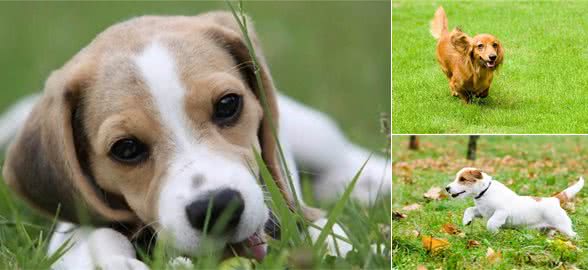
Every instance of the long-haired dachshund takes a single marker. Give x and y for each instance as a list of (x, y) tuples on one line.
[(468, 62)]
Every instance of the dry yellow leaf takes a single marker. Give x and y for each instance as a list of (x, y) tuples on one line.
[(434, 245), (564, 244), (435, 193), (473, 243), (493, 256), (412, 207), (397, 215), (449, 228)]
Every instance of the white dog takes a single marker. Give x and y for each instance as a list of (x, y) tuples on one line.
[(154, 120), (502, 207)]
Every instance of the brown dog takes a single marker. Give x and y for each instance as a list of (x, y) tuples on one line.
[(468, 62)]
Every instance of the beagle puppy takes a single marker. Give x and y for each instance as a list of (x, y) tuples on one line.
[(155, 120), (502, 207)]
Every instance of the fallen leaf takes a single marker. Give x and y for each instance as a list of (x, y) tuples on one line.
[(415, 233), (412, 207), (403, 170), (435, 193), (397, 215), (509, 182), (434, 245), (561, 244), (493, 256), (449, 228), (421, 267), (473, 243)]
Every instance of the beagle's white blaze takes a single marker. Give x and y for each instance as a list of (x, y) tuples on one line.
[(191, 159)]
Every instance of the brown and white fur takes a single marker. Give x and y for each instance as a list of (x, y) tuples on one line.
[(502, 207), (128, 135), (469, 63)]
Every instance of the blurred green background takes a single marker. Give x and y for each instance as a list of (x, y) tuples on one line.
[(334, 56)]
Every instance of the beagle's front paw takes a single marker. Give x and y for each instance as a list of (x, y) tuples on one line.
[(373, 183), (122, 263), (335, 247)]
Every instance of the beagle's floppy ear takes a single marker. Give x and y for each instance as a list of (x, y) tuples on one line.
[(226, 31), (47, 163), (461, 41)]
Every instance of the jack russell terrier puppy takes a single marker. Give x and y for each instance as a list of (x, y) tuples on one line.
[(502, 207), (154, 119)]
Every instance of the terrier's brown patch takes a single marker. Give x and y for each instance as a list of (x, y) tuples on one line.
[(470, 177), (562, 197)]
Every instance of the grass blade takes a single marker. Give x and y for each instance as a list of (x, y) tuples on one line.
[(337, 210)]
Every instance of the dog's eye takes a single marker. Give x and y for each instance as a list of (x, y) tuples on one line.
[(227, 109), (129, 151), (480, 46), (461, 179), (494, 45)]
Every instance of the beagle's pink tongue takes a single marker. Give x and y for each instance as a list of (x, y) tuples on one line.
[(257, 247)]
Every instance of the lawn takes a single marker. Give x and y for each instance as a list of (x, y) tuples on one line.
[(326, 60), (529, 165), (540, 88)]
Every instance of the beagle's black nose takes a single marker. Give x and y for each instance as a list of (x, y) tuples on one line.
[(226, 207), (492, 57), (447, 189)]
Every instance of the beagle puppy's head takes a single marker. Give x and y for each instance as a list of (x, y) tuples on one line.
[(468, 182), (155, 122)]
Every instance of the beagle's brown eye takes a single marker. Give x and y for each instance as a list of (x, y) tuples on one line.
[(227, 109), (461, 179), (495, 45), (480, 46), (129, 151)]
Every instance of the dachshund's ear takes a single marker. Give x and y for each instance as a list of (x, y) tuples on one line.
[(461, 41), (47, 163), (499, 53), (227, 33)]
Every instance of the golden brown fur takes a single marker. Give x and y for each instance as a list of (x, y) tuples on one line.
[(469, 63)]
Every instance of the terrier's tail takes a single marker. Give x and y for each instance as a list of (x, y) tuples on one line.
[(439, 23), (567, 194), (13, 119)]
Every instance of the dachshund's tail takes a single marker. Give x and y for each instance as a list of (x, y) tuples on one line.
[(13, 119), (439, 23)]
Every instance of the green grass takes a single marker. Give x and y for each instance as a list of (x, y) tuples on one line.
[(539, 89), (327, 60), (534, 165)]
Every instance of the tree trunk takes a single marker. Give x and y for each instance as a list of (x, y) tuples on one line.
[(414, 143), (471, 155)]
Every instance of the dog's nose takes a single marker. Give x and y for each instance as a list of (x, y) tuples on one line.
[(492, 57), (447, 189), (226, 207)]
